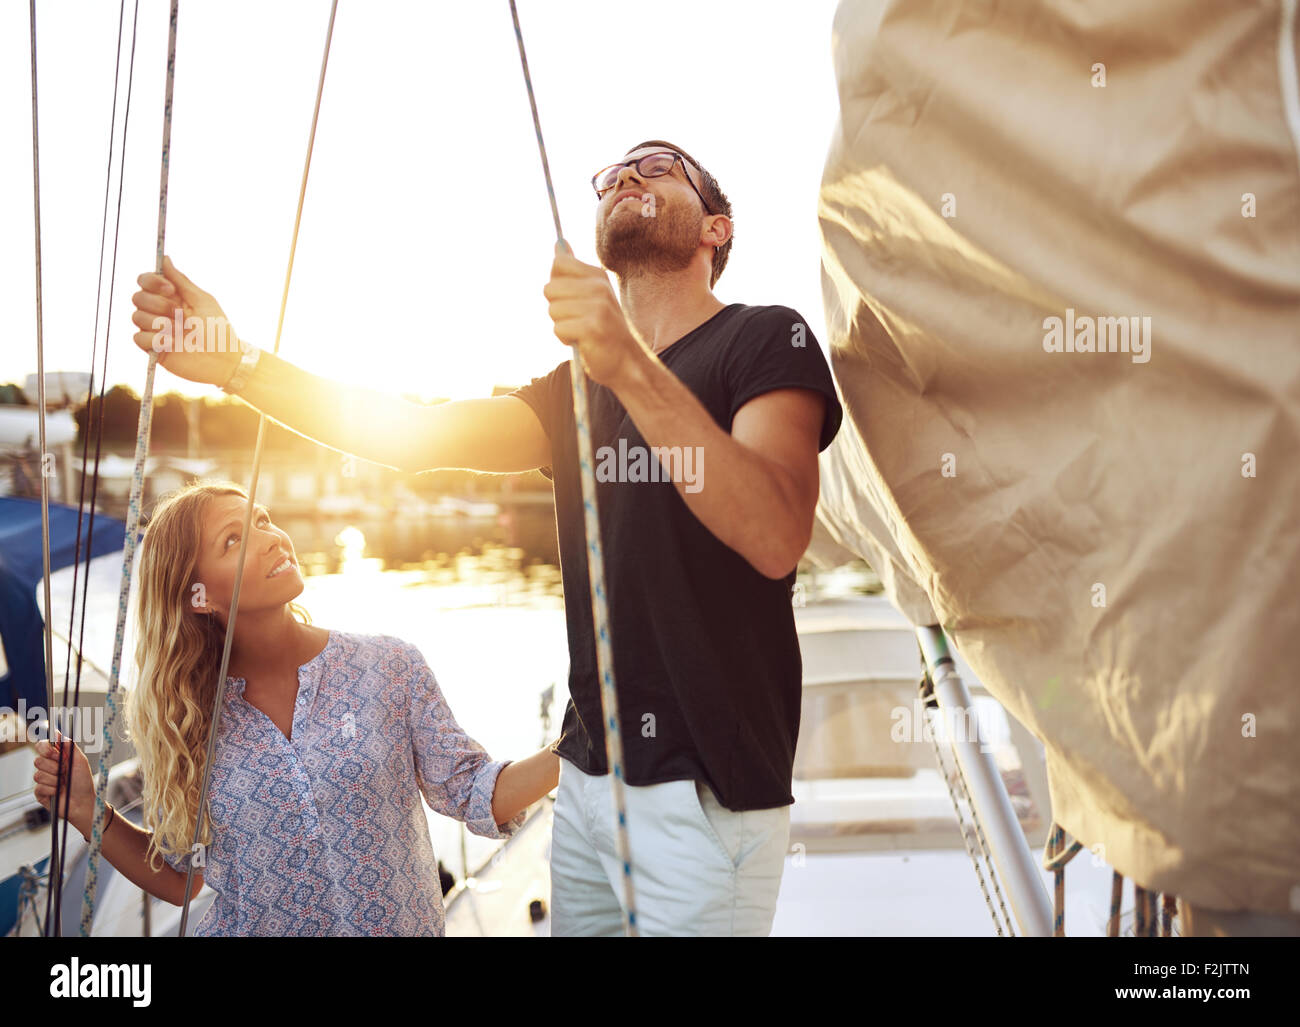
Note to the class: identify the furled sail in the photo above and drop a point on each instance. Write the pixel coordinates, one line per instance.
(1061, 269)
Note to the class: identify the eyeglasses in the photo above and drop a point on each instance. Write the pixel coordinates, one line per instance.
(652, 165)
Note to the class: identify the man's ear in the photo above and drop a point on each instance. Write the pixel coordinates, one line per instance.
(720, 229)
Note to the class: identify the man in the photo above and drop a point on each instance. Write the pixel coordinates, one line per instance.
(706, 422)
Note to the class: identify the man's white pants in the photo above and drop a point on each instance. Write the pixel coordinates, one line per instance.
(697, 867)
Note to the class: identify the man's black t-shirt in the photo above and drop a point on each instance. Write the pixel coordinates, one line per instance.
(706, 659)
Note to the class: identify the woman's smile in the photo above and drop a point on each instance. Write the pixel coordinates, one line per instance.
(281, 567)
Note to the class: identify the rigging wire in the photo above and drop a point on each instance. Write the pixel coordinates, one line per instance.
(132, 516)
(595, 556)
(252, 492)
(92, 423)
(40, 375)
(59, 844)
(47, 620)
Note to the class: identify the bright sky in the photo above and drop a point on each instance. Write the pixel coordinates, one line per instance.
(426, 236)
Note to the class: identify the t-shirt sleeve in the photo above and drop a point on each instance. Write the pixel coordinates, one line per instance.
(540, 395)
(776, 349)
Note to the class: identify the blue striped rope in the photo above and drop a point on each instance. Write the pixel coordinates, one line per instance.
(595, 557)
(132, 522)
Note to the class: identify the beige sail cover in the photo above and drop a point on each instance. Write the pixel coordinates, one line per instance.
(1110, 529)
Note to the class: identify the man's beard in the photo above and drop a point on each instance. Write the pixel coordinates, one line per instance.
(630, 244)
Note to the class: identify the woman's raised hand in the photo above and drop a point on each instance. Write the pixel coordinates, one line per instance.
(79, 795)
(185, 326)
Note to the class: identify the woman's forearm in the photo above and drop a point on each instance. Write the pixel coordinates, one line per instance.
(522, 783)
(126, 848)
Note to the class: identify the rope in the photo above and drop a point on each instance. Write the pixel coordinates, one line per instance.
(1055, 856)
(930, 706)
(252, 494)
(1153, 913)
(984, 846)
(595, 556)
(1145, 916)
(132, 519)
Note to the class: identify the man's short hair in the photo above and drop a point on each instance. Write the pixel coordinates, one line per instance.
(713, 196)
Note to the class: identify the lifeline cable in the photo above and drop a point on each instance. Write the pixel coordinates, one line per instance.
(595, 557)
(252, 494)
(132, 517)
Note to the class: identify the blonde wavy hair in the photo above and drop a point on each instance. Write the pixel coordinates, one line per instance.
(178, 657)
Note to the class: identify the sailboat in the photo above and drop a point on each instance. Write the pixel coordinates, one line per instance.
(1066, 346)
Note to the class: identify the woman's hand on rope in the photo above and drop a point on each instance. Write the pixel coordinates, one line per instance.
(185, 326)
(77, 788)
(587, 315)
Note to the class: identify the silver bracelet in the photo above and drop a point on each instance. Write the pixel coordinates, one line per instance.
(244, 370)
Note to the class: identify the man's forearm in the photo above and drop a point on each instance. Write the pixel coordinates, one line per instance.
(374, 426)
(751, 504)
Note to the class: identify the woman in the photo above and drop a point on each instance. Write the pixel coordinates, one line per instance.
(326, 740)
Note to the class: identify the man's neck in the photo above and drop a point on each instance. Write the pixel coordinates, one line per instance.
(664, 307)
